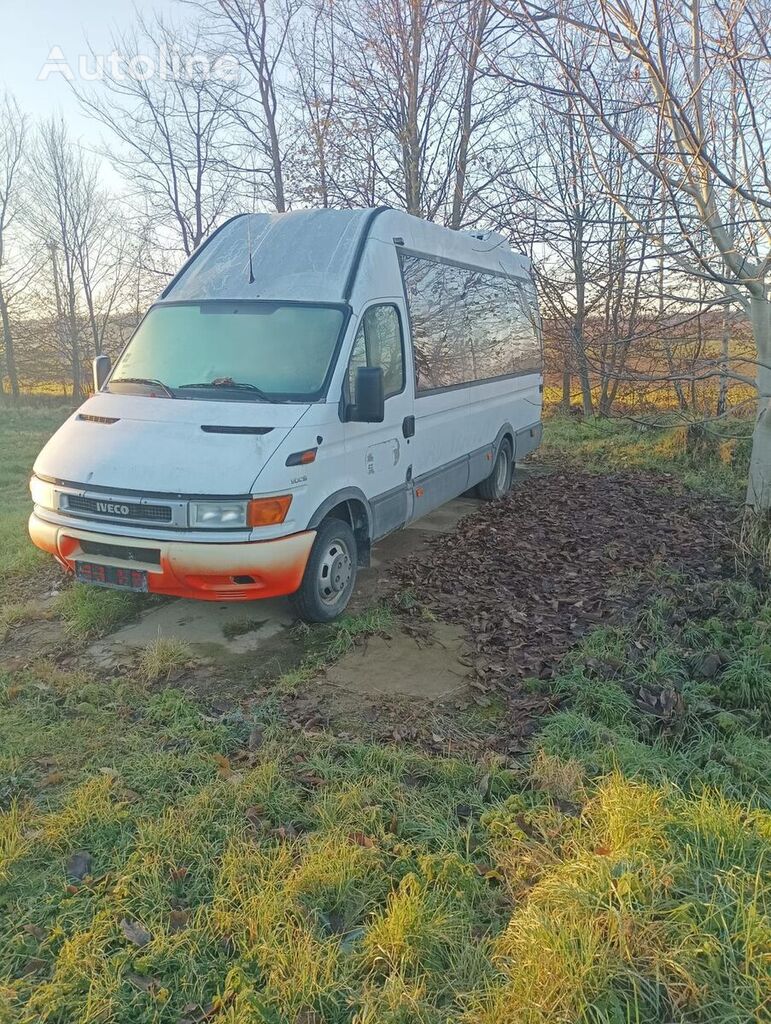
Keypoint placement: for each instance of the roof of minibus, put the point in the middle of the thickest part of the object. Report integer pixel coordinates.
(308, 255)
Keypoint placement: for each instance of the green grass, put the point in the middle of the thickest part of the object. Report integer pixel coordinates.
(23, 432)
(315, 877)
(91, 612)
(161, 860)
(87, 613)
(718, 464)
(163, 657)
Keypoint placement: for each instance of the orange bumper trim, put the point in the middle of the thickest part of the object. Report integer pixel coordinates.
(204, 571)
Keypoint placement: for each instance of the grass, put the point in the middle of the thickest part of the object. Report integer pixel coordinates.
(91, 612)
(23, 432)
(163, 657)
(325, 644)
(161, 860)
(715, 462)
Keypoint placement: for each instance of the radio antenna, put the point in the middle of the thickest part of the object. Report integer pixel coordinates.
(249, 243)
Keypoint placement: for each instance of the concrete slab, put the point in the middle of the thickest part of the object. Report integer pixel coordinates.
(446, 518)
(227, 628)
(400, 664)
(207, 626)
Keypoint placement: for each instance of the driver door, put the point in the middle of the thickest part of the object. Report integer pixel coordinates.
(379, 454)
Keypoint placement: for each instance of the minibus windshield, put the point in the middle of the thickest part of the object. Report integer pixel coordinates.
(245, 351)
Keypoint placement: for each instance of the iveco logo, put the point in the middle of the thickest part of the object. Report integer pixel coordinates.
(112, 509)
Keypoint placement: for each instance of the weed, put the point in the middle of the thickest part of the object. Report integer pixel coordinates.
(232, 630)
(162, 657)
(90, 612)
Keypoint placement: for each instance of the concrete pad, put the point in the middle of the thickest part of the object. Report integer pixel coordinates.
(400, 664)
(219, 629)
(447, 517)
(208, 626)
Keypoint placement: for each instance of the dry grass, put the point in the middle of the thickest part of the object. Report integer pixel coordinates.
(162, 657)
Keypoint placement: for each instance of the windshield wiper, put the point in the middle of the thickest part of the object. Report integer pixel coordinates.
(148, 381)
(228, 384)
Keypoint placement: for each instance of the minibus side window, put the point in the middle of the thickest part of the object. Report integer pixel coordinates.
(379, 342)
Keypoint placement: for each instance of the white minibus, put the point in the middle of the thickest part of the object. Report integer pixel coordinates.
(308, 383)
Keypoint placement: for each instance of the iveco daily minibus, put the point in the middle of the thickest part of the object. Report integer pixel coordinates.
(308, 383)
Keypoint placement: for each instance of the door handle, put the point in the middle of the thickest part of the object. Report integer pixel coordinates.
(408, 426)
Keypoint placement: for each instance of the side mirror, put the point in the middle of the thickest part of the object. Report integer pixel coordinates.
(101, 366)
(370, 396)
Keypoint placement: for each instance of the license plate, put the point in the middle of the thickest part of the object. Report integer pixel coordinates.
(115, 576)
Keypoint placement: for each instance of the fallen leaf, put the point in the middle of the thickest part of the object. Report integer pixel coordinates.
(33, 966)
(135, 932)
(51, 779)
(360, 839)
(286, 832)
(142, 981)
(35, 931)
(178, 920)
(255, 738)
(79, 864)
(256, 817)
(311, 780)
(224, 768)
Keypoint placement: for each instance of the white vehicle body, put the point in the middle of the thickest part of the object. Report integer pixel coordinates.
(121, 483)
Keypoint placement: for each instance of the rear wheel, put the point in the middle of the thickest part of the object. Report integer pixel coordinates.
(499, 481)
(330, 574)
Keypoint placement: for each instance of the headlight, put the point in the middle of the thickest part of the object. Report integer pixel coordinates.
(218, 513)
(244, 514)
(43, 494)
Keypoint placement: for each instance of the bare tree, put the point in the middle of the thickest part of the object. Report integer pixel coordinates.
(257, 32)
(13, 137)
(84, 241)
(694, 69)
(325, 167)
(401, 79)
(173, 129)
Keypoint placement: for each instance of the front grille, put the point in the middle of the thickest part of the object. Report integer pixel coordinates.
(120, 551)
(114, 509)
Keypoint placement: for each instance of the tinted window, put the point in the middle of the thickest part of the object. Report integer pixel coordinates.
(281, 349)
(379, 343)
(467, 325)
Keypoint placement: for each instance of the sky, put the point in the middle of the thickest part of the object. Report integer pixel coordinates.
(28, 31)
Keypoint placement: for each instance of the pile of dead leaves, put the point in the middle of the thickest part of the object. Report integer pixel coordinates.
(561, 554)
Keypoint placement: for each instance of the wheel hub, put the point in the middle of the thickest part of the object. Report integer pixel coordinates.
(340, 573)
(335, 571)
(502, 470)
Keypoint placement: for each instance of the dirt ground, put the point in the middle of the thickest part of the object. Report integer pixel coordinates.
(484, 596)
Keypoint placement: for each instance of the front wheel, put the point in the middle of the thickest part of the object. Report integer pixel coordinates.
(330, 574)
(499, 481)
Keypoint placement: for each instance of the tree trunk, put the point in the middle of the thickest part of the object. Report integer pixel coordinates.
(725, 346)
(759, 483)
(10, 355)
(566, 387)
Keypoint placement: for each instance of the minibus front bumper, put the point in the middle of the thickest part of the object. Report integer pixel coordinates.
(205, 571)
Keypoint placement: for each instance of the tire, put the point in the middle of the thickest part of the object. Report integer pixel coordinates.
(330, 574)
(499, 481)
